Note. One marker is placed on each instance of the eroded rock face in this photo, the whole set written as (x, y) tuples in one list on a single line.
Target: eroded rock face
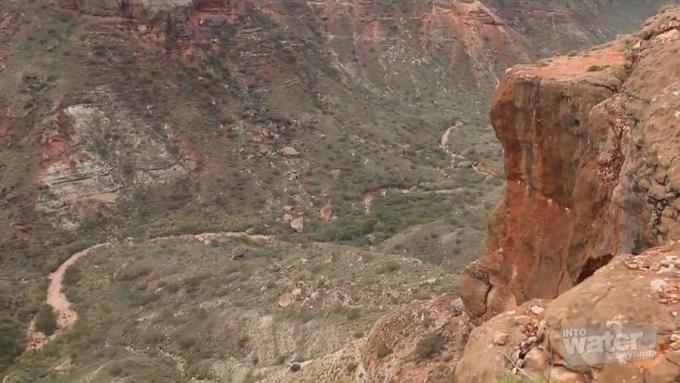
[(590, 143), (446, 44), (91, 154), (393, 351), (485, 357), (626, 292)]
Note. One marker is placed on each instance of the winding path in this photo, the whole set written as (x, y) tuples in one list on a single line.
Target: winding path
[(66, 316)]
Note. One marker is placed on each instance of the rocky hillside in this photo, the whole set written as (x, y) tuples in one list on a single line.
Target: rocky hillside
[(361, 125), (585, 236)]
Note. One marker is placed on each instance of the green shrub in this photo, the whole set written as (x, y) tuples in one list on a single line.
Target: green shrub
[(65, 17), (353, 314), (389, 267), (382, 350), (72, 276), (243, 341), (45, 321), (172, 287), (133, 272), (116, 370), (186, 343), (430, 346), (596, 68)]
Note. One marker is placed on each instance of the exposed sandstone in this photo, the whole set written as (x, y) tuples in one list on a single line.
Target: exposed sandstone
[(590, 148), (326, 212), (389, 352), (86, 159), (587, 140), (615, 294)]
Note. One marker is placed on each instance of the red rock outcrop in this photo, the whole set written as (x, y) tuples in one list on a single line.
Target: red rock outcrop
[(632, 290), (590, 143), (391, 353), (587, 234)]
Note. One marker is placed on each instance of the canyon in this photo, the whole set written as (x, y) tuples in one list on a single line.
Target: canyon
[(343, 149)]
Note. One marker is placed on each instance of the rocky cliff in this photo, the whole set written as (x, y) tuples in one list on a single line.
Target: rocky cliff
[(585, 236), (590, 159), (591, 143)]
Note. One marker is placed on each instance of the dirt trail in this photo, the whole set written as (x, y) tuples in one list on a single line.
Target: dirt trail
[(368, 196), (66, 316), (477, 167)]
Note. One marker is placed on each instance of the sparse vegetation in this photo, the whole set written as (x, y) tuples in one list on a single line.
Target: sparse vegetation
[(389, 267), (134, 272), (72, 275), (122, 301), (628, 44), (430, 346)]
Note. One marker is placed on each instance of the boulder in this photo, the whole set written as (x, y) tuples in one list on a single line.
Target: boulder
[(326, 212), (290, 152), (298, 224), (286, 300)]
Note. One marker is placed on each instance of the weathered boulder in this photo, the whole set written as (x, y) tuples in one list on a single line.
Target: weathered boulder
[(622, 295), (298, 224), (485, 359)]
